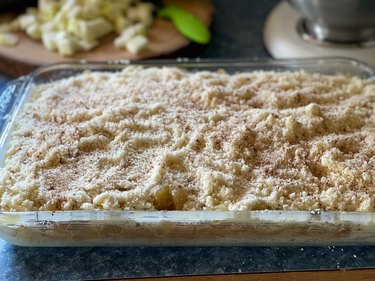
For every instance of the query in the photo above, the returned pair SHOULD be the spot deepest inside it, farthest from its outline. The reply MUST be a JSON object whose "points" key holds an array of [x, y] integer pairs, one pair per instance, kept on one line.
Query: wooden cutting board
{"points": [[318, 275], [163, 39]]}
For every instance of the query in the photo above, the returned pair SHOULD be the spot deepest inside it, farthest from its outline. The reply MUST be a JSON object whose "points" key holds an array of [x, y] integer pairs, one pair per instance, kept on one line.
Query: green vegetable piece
{"points": [[187, 24]]}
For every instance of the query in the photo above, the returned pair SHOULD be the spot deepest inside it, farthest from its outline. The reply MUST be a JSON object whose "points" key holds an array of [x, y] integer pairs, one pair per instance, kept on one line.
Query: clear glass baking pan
{"points": [[112, 228]]}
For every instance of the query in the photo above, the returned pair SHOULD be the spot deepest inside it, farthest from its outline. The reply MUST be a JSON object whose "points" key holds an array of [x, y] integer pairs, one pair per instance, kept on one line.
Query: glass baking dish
{"points": [[173, 228]]}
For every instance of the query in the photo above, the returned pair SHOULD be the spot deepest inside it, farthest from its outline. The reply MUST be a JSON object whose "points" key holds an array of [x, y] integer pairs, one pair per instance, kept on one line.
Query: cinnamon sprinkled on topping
{"points": [[164, 138]]}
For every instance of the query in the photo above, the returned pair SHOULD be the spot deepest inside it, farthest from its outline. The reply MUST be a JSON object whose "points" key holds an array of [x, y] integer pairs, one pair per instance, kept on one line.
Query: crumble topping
{"points": [[168, 139]]}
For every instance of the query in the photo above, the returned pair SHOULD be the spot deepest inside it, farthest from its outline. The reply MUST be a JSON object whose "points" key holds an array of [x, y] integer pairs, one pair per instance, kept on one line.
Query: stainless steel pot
{"points": [[338, 21]]}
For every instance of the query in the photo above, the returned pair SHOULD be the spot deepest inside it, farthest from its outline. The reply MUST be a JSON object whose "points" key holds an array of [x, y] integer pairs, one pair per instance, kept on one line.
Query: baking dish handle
{"points": [[8, 95]]}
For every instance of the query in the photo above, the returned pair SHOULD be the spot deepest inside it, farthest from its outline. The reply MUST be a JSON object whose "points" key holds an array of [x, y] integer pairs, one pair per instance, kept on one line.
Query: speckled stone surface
{"points": [[237, 33], [17, 263]]}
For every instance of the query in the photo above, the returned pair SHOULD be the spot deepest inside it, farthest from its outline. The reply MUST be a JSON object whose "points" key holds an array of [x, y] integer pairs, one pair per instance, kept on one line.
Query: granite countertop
{"points": [[237, 33]]}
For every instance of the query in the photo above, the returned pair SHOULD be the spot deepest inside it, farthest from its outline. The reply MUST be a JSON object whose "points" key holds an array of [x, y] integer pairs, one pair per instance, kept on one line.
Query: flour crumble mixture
{"points": [[169, 139]]}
